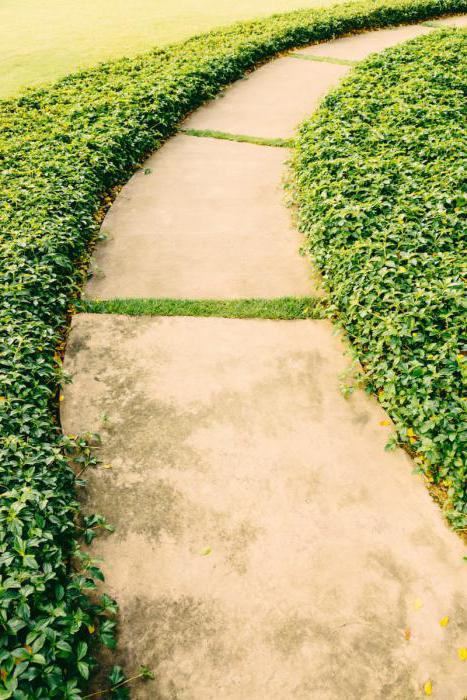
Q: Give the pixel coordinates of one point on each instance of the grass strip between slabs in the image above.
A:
(241, 138)
(324, 59)
(283, 308)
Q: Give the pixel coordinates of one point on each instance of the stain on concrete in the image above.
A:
(354, 497)
(238, 541)
(76, 343)
(155, 631)
(424, 536)
(147, 431)
(361, 418)
(170, 624)
(385, 560)
(151, 508)
(291, 634)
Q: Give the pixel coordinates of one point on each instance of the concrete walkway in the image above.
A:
(267, 547)
(202, 195)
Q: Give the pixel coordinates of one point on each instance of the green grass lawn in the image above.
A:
(42, 40)
(280, 308)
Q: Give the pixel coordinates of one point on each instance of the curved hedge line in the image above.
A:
(379, 181)
(61, 149)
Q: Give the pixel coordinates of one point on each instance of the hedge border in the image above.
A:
(61, 149)
(378, 179)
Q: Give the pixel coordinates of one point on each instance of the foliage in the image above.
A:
(61, 149)
(379, 179)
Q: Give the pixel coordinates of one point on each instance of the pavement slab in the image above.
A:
(359, 46)
(459, 21)
(208, 220)
(271, 101)
(267, 547)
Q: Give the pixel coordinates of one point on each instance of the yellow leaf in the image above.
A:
(462, 653)
(407, 633)
(444, 621)
(418, 604)
(2, 399)
(428, 688)
(385, 422)
(206, 551)
(106, 466)
(91, 629)
(61, 397)
(410, 432)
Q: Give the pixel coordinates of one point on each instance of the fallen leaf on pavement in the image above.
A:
(428, 688)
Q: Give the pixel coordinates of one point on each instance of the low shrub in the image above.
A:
(380, 180)
(61, 149)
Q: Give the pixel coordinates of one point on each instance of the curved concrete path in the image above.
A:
(267, 547)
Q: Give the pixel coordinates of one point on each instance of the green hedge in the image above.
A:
(61, 148)
(379, 180)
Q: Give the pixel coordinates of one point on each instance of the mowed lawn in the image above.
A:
(41, 40)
